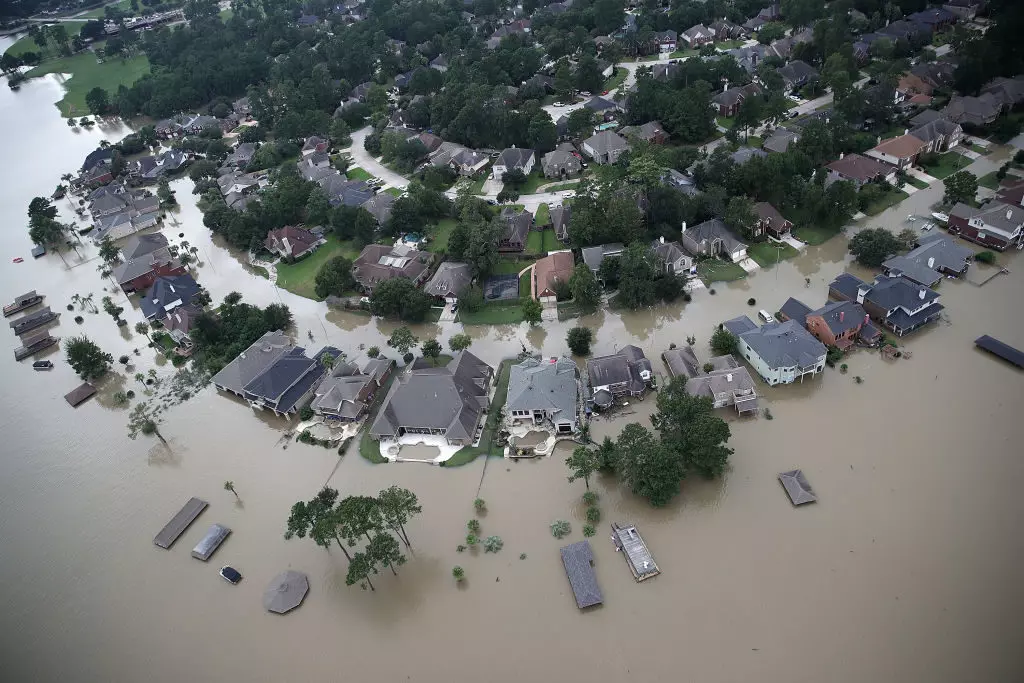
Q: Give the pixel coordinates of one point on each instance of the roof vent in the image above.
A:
(1009, 214)
(920, 294)
(728, 377)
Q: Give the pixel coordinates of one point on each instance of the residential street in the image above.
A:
(362, 159)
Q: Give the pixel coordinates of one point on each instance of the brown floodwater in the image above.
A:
(907, 569)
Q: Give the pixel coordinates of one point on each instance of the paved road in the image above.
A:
(362, 159)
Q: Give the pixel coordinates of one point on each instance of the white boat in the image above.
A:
(940, 217)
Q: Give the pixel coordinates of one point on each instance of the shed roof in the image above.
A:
(578, 560)
(797, 487)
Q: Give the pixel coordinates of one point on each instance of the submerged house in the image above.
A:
(447, 401)
(274, 374)
(346, 392)
(625, 373)
(713, 238)
(839, 324)
(898, 303)
(544, 391)
(726, 383)
(379, 262)
(934, 256)
(779, 352)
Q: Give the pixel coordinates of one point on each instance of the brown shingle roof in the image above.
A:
(551, 270)
(859, 167)
(902, 147)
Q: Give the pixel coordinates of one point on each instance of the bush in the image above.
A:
(985, 256)
(472, 540)
(306, 413)
(843, 368)
(79, 319)
(687, 297)
(560, 529)
(711, 291)
(768, 414)
(408, 358)
(589, 498)
(751, 301)
(593, 515)
(460, 548)
(474, 526)
(723, 342)
(833, 356)
(130, 394)
(458, 573)
(589, 530)
(708, 367)
(479, 504)
(579, 340)
(373, 352)
(522, 556)
(493, 544)
(123, 360)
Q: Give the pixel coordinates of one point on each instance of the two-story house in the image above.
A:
(625, 373)
(900, 151)
(541, 392)
(346, 392)
(713, 238)
(859, 170)
(517, 230)
(770, 221)
(995, 224)
(513, 159)
(673, 258)
(780, 352)
(896, 303)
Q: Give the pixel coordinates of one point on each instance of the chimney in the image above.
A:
(1009, 214)
(861, 292)
(842, 154)
(879, 140)
(662, 239)
(920, 294)
(684, 227)
(728, 377)
(906, 131)
(842, 314)
(931, 261)
(867, 319)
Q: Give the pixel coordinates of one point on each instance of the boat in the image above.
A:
(23, 301)
(230, 574)
(941, 217)
(42, 365)
(18, 259)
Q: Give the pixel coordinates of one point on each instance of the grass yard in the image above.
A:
(562, 186)
(919, 184)
(616, 79)
(768, 253)
(524, 284)
(551, 242)
(978, 149)
(533, 181)
(87, 73)
(885, 201)
(27, 44)
(370, 448)
(125, 6)
(717, 270)
(989, 180)
(543, 215)
(298, 278)
(681, 54)
(725, 121)
(729, 44)
(478, 183)
(356, 173)
(487, 445)
(947, 164)
(754, 141)
(508, 267)
(503, 314)
(439, 235)
(814, 235)
(535, 242)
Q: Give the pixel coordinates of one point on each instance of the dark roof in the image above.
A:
(79, 394)
(140, 245)
(1004, 351)
(847, 285)
(794, 309)
(167, 293)
(841, 316)
(893, 292)
(451, 278)
(578, 559)
(740, 325)
(859, 167)
(900, 318)
(514, 157)
(797, 487)
(600, 104)
(560, 216)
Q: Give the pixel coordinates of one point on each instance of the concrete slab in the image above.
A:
(749, 265)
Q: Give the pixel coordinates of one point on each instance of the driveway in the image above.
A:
(362, 159)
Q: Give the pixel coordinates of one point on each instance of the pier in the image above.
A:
(181, 521)
(998, 348)
(629, 541)
(33, 320)
(578, 559)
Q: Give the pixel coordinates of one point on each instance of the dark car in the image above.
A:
(230, 574)
(42, 365)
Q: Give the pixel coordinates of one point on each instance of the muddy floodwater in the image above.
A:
(907, 569)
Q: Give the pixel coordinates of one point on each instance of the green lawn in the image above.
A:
(439, 235)
(729, 44)
(681, 54)
(978, 149)
(370, 448)
(725, 121)
(124, 5)
(543, 215)
(563, 186)
(885, 201)
(27, 44)
(989, 180)
(356, 173)
(508, 267)
(535, 242)
(551, 242)
(533, 181)
(298, 278)
(919, 184)
(717, 270)
(754, 141)
(524, 284)
(487, 445)
(768, 253)
(813, 234)
(616, 79)
(87, 74)
(503, 314)
(947, 164)
(395, 191)
(478, 183)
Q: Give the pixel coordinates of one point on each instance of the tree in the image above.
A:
(581, 121)
(690, 429)
(542, 133)
(532, 311)
(46, 231)
(459, 342)
(399, 298)
(907, 238)
(86, 358)
(97, 100)
(582, 462)
(398, 506)
(360, 566)
(585, 288)
(579, 340)
(334, 278)
(143, 329)
(873, 246)
(740, 216)
(637, 272)
(458, 573)
(230, 486)
(645, 465)
(112, 309)
(770, 32)
(402, 339)
(43, 207)
(165, 193)
(723, 342)
(960, 187)
(319, 519)
(431, 349)
(109, 251)
(318, 207)
(357, 516)
(384, 549)
(143, 420)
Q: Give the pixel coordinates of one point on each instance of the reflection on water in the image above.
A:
(900, 572)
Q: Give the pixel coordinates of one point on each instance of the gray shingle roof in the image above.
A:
(740, 325)
(794, 309)
(577, 558)
(847, 285)
(893, 292)
(451, 278)
(593, 256)
(537, 385)
(167, 293)
(514, 158)
(260, 355)
(784, 345)
(140, 245)
(841, 316)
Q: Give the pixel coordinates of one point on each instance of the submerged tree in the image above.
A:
(398, 506)
(230, 486)
(143, 420)
(360, 567)
(384, 549)
(86, 358)
(582, 463)
(318, 519)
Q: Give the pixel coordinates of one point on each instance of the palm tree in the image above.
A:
(139, 377)
(143, 329)
(326, 360)
(230, 486)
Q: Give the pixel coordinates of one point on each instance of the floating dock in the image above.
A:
(33, 343)
(211, 541)
(33, 320)
(628, 540)
(27, 300)
(998, 348)
(181, 521)
(797, 487)
(578, 559)
(79, 394)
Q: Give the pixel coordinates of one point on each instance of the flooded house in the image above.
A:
(780, 352)
(838, 323)
(934, 256)
(721, 378)
(346, 392)
(897, 303)
(542, 392)
(621, 374)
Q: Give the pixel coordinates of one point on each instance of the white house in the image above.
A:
(779, 352)
(513, 159)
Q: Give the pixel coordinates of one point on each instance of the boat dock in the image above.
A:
(628, 540)
(578, 559)
(33, 343)
(33, 320)
(181, 521)
(998, 348)
(211, 541)
(22, 302)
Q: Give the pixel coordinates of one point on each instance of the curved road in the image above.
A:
(362, 159)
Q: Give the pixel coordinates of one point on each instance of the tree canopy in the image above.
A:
(399, 298)
(86, 358)
(873, 246)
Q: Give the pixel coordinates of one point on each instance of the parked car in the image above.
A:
(230, 574)
(42, 365)
(766, 316)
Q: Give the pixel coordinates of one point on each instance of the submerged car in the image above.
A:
(230, 574)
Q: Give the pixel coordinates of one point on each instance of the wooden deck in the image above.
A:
(628, 540)
(33, 320)
(181, 521)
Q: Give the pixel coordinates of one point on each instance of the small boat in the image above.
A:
(941, 217)
(18, 259)
(42, 365)
(230, 574)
